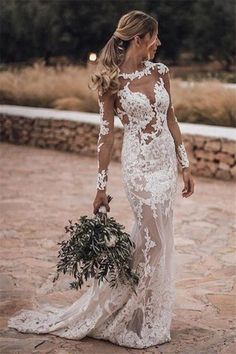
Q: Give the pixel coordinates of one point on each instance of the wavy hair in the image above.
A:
(112, 54)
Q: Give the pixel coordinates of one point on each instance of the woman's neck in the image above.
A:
(132, 63)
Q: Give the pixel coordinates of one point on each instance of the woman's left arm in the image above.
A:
(179, 144)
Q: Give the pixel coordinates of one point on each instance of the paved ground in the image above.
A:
(42, 189)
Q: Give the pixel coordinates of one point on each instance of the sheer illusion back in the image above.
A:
(149, 177)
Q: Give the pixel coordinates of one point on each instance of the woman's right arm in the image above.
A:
(104, 148)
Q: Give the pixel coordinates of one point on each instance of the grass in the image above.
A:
(206, 102)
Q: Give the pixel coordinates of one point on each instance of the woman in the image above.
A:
(138, 91)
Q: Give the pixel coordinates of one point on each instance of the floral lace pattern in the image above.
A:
(149, 177)
(104, 125)
(148, 66)
(182, 155)
(102, 175)
(103, 144)
(102, 179)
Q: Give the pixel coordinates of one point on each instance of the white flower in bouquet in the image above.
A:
(110, 242)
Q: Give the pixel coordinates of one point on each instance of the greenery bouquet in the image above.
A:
(98, 248)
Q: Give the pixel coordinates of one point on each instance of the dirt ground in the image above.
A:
(40, 190)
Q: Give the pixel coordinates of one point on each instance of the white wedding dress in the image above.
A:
(149, 169)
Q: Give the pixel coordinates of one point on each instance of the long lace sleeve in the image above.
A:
(105, 138)
(174, 128)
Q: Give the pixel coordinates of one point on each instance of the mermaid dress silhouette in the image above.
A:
(149, 159)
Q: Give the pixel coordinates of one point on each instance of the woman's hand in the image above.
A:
(188, 183)
(100, 199)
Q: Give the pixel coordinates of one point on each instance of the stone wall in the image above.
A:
(209, 156)
(62, 134)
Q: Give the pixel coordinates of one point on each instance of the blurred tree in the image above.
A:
(174, 25)
(214, 31)
(86, 26)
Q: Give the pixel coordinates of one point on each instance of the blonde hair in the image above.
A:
(113, 53)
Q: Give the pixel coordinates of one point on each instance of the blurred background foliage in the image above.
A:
(45, 47)
(205, 29)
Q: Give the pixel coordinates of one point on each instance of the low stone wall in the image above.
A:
(55, 134)
(210, 156)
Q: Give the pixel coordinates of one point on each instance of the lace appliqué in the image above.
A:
(182, 155)
(102, 178)
(104, 129)
(104, 125)
(148, 245)
(162, 69)
(31, 321)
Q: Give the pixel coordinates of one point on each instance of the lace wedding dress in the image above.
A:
(149, 168)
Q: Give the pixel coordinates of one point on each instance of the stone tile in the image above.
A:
(225, 303)
(40, 190)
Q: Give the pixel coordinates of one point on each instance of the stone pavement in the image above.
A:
(41, 190)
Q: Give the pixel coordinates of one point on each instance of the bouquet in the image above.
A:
(98, 248)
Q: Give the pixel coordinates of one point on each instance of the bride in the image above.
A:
(137, 90)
